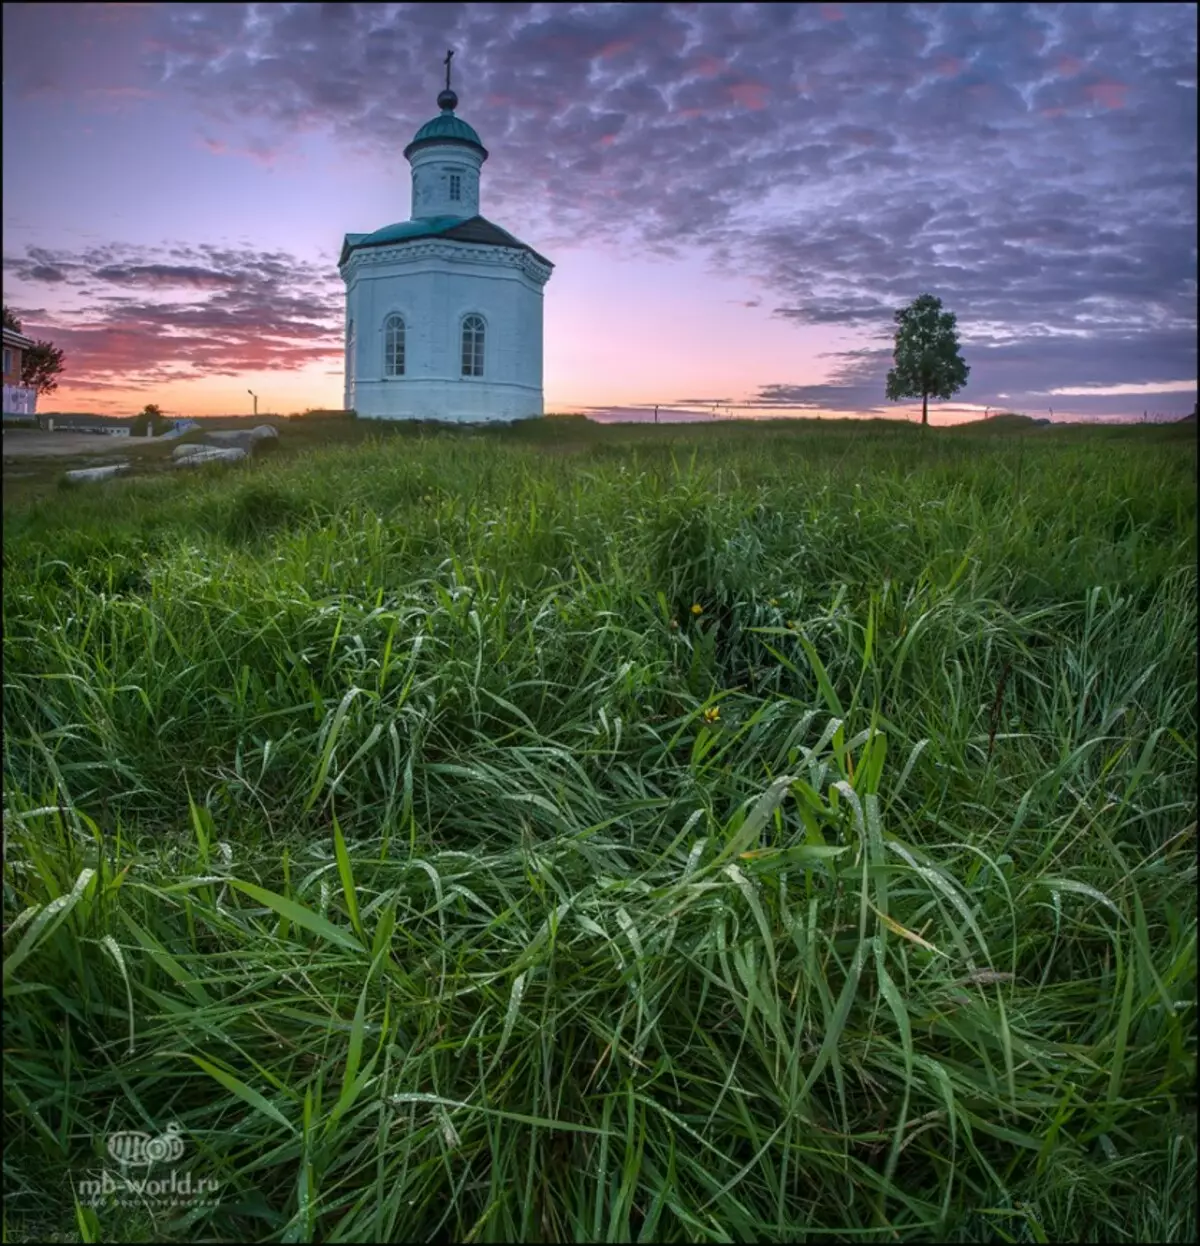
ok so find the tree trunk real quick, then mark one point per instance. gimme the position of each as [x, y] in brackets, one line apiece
[924, 410]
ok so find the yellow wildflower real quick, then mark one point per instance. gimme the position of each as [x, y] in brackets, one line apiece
[712, 714]
[697, 608]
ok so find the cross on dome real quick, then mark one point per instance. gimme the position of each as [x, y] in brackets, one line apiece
[447, 100]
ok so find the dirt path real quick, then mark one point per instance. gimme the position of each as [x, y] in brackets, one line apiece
[25, 444]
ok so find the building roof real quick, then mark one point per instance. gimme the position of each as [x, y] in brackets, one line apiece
[446, 129]
[475, 229]
[13, 338]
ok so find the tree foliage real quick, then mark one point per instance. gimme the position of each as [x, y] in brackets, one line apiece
[150, 420]
[41, 365]
[927, 358]
[10, 321]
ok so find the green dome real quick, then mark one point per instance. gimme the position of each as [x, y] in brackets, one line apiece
[446, 128]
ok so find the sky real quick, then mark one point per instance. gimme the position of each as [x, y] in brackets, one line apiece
[736, 197]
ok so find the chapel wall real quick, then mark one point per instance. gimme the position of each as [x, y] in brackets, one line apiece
[433, 297]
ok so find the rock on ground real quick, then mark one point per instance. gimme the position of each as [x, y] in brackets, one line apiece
[193, 456]
[86, 474]
[245, 438]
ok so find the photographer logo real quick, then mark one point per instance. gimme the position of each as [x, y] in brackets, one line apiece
[134, 1149]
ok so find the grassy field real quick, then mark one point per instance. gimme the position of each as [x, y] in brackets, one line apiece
[566, 833]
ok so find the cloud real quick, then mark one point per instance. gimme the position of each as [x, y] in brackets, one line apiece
[143, 318]
[1107, 94]
[751, 95]
[157, 275]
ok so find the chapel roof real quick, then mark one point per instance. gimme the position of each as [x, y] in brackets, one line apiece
[475, 229]
[445, 129]
[13, 338]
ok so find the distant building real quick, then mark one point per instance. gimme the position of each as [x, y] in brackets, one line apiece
[444, 310]
[110, 425]
[20, 401]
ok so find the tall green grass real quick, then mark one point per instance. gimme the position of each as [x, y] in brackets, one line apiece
[587, 834]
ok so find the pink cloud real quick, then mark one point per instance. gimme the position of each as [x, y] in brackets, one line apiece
[752, 95]
[861, 136]
[607, 140]
[689, 113]
[710, 66]
[832, 13]
[257, 150]
[951, 66]
[1107, 94]
[116, 12]
[1034, 39]
[615, 48]
[1069, 66]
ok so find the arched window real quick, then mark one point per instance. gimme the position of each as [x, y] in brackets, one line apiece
[393, 346]
[472, 346]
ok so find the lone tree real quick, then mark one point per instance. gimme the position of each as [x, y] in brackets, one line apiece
[150, 421]
[928, 364]
[41, 364]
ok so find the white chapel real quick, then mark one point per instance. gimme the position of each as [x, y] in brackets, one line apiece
[444, 310]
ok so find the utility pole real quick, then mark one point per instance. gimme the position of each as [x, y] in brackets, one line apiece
[656, 413]
[255, 397]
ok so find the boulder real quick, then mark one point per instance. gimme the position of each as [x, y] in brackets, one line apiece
[87, 474]
[206, 454]
[246, 438]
